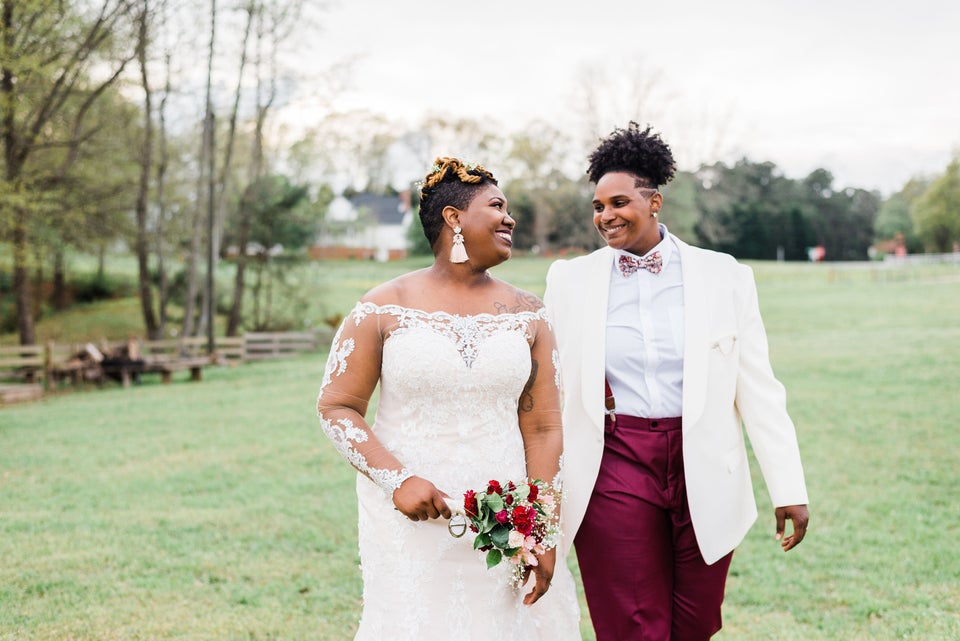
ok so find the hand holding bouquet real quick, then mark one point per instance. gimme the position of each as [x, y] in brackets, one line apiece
[515, 522]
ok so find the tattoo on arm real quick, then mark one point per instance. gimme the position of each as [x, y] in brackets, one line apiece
[526, 396]
[525, 302]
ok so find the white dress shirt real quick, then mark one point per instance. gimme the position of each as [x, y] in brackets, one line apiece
[644, 352]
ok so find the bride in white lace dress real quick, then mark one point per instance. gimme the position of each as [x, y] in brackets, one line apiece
[469, 392]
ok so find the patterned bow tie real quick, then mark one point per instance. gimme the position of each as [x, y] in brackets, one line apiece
[629, 264]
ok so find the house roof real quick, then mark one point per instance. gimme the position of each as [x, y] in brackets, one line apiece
[388, 210]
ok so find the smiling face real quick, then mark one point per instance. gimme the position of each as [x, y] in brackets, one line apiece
[624, 213]
[487, 227]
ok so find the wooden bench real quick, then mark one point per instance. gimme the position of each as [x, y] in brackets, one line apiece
[167, 356]
[20, 393]
[22, 362]
[166, 368]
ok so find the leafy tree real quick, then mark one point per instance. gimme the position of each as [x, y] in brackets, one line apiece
[532, 161]
[569, 201]
[563, 202]
[937, 212]
[680, 213]
[751, 211]
[520, 200]
[843, 221]
[281, 220]
[418, 242]
[894, 219]
[419, 246]
[48, 55]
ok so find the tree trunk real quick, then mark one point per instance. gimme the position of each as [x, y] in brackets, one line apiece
[258, 283]
[21, 285]
[224, 176]
[193, 274]
[59, 296]
[265, 98]
[101, 261]
[268, 306]
[12, 166]
[162, 165]
[146, 157]
[206, 292]
[236, 309]
[38, 279]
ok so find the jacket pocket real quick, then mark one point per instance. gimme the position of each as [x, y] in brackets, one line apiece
[725, 344]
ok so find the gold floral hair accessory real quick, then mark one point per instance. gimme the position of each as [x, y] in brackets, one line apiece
[443, 167]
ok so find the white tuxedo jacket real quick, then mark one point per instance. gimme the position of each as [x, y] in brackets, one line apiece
[727, 382]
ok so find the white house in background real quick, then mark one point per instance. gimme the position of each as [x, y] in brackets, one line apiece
[367, 226]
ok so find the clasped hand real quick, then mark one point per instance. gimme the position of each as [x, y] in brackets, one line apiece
[418, 499]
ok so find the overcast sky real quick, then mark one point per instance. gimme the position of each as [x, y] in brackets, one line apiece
[870, 91]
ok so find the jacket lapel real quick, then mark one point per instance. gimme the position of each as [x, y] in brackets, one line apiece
[596, 292]
[695, 297]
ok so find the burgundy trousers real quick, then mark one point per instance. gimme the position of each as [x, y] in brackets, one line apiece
[643, 574]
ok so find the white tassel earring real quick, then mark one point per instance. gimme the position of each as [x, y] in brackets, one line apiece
[458, 254]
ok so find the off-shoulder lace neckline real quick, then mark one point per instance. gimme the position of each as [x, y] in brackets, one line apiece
[402, 310]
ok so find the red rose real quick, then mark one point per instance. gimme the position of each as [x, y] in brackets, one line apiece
[524, 518]
[508, 499]
[511, 487]
[503, 517]
[470, 506]
[534, 492]
[494, 488]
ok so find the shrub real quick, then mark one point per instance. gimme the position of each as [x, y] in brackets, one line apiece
[94, 287]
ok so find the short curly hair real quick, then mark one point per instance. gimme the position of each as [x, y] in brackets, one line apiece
[634, 151]
[450, 182]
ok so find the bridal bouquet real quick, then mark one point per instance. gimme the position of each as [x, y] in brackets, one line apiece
[513, 522]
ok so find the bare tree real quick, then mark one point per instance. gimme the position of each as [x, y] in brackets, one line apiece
[163, 163]
[142, 244]
[273, 23]
[607, 98]
[205, 161]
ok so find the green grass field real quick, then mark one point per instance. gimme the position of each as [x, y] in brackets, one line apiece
[217, 510]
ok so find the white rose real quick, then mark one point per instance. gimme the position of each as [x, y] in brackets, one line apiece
[515, 539]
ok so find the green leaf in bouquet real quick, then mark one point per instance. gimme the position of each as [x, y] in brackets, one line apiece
[500, 535]
[494, 502]
[493, 557]
[489, 520]
[522, 492]
[481, 540]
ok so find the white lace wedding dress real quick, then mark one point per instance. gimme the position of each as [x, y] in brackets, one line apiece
[449, 389]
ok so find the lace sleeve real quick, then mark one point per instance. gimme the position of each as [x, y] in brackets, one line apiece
[539, 406]
[351, 374]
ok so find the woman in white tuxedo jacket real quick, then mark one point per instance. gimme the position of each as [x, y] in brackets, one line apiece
[664, 357]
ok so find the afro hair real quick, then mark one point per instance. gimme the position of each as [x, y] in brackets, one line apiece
[635, 151]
